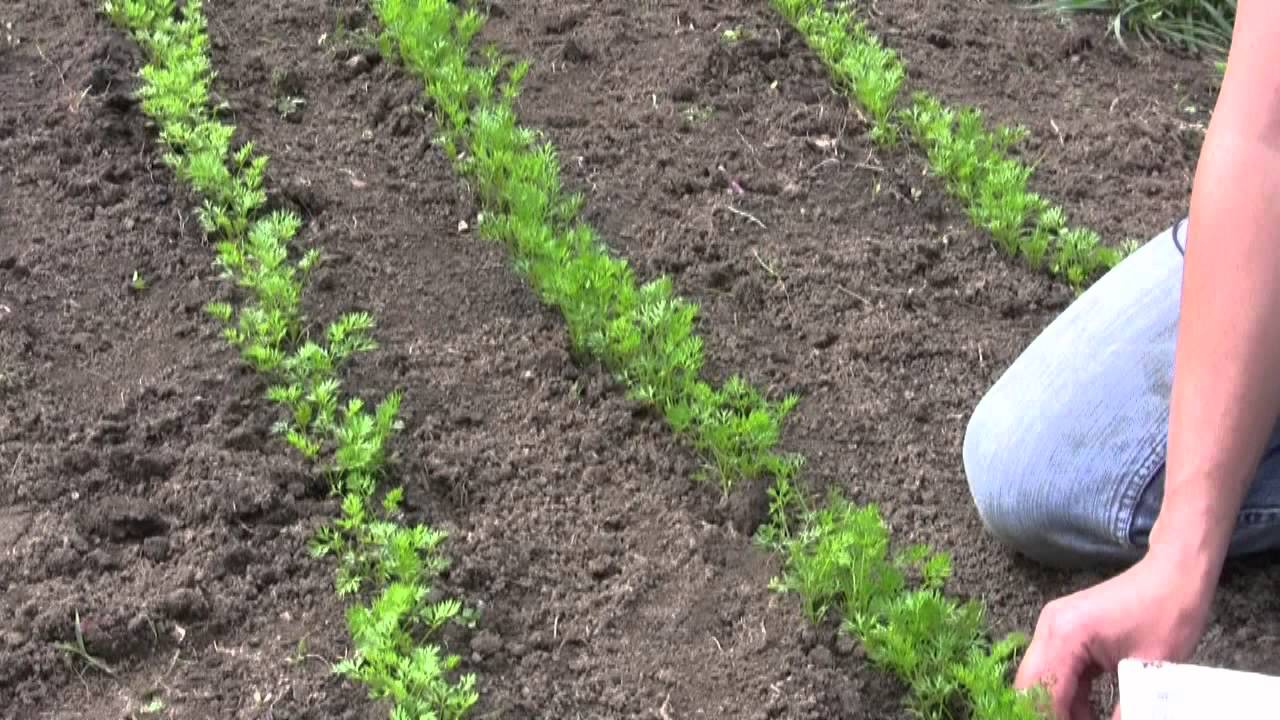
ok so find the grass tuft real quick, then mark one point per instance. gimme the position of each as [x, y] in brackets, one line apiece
[1197, 25]
[385, 566]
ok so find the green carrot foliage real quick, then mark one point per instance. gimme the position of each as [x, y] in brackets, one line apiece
[643, 333]
[841, 561]
[379, 556]
[976, 164]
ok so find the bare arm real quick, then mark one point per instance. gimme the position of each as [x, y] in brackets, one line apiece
[1226, 388]
[1225, 399]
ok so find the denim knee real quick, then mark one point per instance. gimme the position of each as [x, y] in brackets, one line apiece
[1061, 449]
[1018, 500]
[996, 470]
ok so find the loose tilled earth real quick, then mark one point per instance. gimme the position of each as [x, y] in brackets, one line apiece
[139, 485]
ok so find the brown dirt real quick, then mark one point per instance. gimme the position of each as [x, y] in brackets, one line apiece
[138, 485]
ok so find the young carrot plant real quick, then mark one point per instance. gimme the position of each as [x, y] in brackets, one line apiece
[977, 169]
[861, 65]
[974, 163]
[840, 560]
[379, 557]
[643, 333]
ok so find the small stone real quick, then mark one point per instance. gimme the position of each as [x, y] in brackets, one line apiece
[845, 644]
[125, 519]
[99, 79]
[267, 576]
[807, 636]
[184, 604]
[602, 567]
[486, 643]
[820, 656]
[155, 548]
[573, 52]
[12, 639]
[120, 102]
[824, 339]
[287, 82]
[938, 39]
[103, 560]
[236, 560]
[140, 626]
[684, 92]
[358, 65]
[79, 461]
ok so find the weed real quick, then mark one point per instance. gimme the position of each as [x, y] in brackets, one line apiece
[353, 35]
[137, 282]
[286, 93]
[1199, 25]
[378, 556]
[642, 333]
[80, 650]
[698, 113]
[154, 705]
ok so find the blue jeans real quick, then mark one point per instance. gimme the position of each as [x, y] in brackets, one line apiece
[1065, 454]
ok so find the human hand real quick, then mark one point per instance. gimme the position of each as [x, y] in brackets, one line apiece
[1147, 612]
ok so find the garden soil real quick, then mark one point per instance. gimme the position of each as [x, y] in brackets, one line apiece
[142, 492]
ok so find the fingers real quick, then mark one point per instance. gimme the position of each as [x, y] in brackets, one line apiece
[1059, 660]
[1041, 667]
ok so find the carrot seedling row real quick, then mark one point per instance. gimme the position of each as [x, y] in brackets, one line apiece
[643, 333]
[973, 162]
[838, 559]
[385, 568]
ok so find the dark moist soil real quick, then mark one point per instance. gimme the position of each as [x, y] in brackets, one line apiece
[139, 485]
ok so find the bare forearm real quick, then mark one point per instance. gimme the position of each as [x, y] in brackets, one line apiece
[1226, 389]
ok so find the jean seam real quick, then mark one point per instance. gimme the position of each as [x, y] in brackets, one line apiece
[1131, 491]
[1181, 246]
[1258, 517]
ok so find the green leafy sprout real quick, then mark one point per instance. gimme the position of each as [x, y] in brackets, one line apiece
[81, 650]
[386, 567]
[974, 163]
[838, 559]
